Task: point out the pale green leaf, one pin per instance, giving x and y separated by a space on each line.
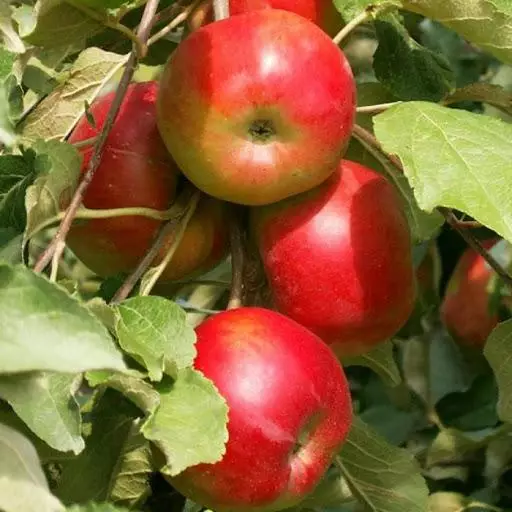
96 507
472 168
498 353
57 114
486 23
383 478
155 332
9 38
381 361
43 328
58 169
46 404
189 426
17 496
351 8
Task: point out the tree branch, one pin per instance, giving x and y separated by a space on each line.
369 139
236 241
54 250
220 9
183 206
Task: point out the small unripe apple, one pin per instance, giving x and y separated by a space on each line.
257 107
136 170
339 260
289 411
319 12
466 307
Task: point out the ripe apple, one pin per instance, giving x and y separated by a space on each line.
319 12
338 258
466 309
289 411
257 107
136 170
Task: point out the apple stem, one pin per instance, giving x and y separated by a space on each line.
369 141
236 240
375 109
179 230
56 247
178 19
220 9
351 25
187 202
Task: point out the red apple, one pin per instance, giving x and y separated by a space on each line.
257 107
320 12
137 171
289 411
338 259
466 309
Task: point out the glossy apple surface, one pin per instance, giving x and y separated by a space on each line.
289 411
338 259
257 107
319 12
136 170
466 308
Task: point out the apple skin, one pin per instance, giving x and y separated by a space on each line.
257 107
320 12
465 309
338 259
136 170
281 383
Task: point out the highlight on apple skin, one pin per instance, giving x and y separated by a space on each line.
338 258
466 307
289 411
257 107
136 170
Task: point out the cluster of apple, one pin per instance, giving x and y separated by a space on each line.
258 110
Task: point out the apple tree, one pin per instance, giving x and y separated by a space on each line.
255 255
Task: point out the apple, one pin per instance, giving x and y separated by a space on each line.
338 258
289 411
136 170
257 107
319 12
466 309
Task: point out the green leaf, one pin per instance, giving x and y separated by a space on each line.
351 8
46 404
112 8
189 426
9 38
381 361
57 23
17 172
497 352
58 168
57 114
488 93
382 477
472 168
8 134
93 474
155 332
23 485
139 392
43 328
6 62
486 23
10 246
16 496
407 69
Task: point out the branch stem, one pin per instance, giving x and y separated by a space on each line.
220 9
236 240
375 109
56 246
181 209
351 25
